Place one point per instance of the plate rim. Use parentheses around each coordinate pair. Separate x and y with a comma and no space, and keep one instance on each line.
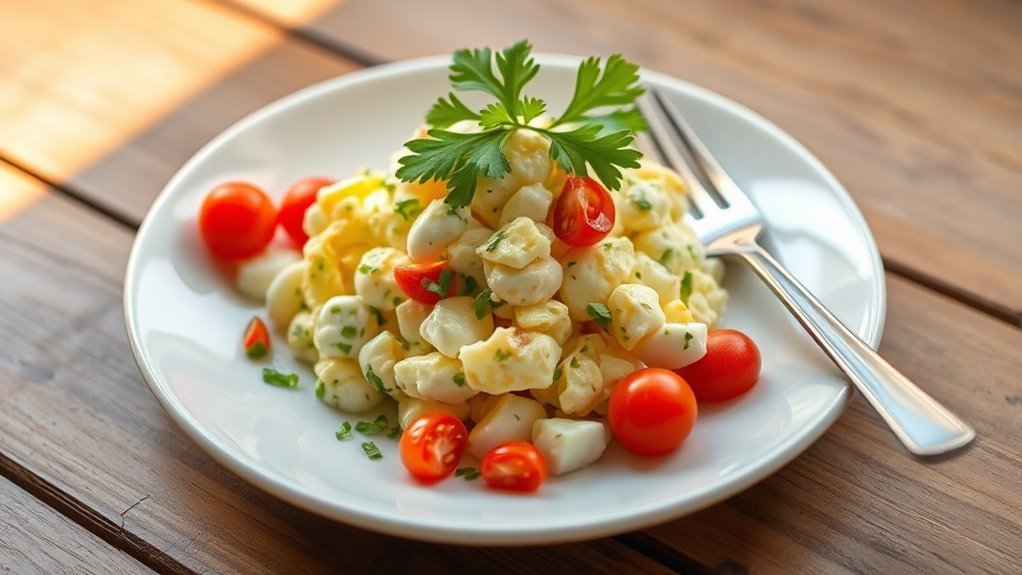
(511,535)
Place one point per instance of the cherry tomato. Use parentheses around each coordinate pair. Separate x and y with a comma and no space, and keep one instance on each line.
(432,445)
(652,411)
(729,368)
(257,339)
(237,220)
(514,466)
(425,282)
(298,198)
(584,212)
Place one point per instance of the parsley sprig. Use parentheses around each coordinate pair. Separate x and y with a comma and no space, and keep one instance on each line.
(595,130)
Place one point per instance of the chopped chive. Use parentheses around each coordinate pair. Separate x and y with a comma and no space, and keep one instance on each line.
(642,203)
(688,339)
(371,451)
(686,286)
(646,306)
(501,355)
(372,427)
(274,377)
(666,256)
(483,303)
(343,432)
(495,240)
(558,372)
(344,347)
(394,432)
(407,208)
(349,331)
(575,363)
(467,473)
(470,284)
(459,379)
(366,269)
(374,380)
(380,320)
(320,389)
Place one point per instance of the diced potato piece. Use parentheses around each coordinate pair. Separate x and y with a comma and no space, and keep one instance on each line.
(342,327)
(635,312)
(341,385)
(515,245)
(532,201)
(512,417)
(462,256)
(567,445)
(535,283)
(433,376)
(453,323)
(649,272)
(674,345)
(549,317)
(512,359)
(592,273)
(643,206)
(436,228)
(376,359)
(374,278)
(410,316)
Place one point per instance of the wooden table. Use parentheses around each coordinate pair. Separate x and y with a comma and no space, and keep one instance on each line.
(915,105)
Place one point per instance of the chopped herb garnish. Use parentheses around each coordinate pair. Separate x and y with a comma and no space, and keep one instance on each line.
(394,432)
(666,256)
(256,350)
(470,284)
(366,269)
(686,286)
(517,418)
(558,372)
(638,275)
(483,303)
(320,389)
(641,203)
(608,245)
(688,339)
(467,473)
(572,264)
(407,208)
(349,331)
(692,252)
(344,347)
(374,380)
(645,306)
(372,427)
(371,451)
(459,379)
(501,355)
(495,240)
(343,432)
(404,342)
(274,377)
(599,313)
(583,137)
(575,363)
(441,287)
(335,309)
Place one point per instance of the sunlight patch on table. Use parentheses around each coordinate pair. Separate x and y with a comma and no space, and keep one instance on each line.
(81,78)
(293,12)
(17,191)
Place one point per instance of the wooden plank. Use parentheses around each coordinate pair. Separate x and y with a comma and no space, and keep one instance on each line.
(914,105)
(36,539)
(78,415)
(856,503)
(112,96)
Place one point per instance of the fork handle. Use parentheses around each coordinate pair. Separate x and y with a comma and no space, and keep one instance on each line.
(923,425)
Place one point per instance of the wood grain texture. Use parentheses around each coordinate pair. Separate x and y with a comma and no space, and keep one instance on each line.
(78,415)
(113,104)
(36,539)
(916,106)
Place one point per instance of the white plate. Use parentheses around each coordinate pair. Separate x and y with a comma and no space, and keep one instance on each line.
(185,321)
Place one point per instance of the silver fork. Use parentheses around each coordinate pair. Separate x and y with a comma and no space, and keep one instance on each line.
(729,225)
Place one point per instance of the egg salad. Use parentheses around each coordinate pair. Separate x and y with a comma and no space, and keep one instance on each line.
(505,325)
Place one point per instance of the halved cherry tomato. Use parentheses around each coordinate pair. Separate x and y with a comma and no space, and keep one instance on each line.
(729,368)
(652,411)
(425,283)
(432,445)
(237,220)
(584,212)
(514,466)
(298,198)
(257,339)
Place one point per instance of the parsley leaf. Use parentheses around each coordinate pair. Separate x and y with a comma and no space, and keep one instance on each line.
(375,380)
(591,135)
(686,286)
(599,313)
(343,432)
(372,427)
(371,451)
(275,378)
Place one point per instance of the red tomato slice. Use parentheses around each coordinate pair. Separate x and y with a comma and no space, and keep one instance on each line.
(432,446)
(584,212)
(298,198)
(237,220)
(257,339)
(729,369)
(514,466)
(426,283)
(652,411)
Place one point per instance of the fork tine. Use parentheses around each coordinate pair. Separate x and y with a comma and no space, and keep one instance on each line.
(725,187)
(668,148)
